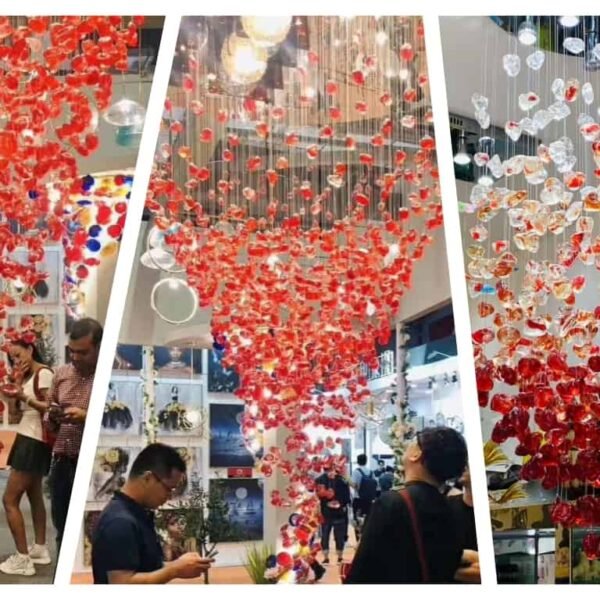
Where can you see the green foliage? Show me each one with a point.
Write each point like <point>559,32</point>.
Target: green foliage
<point>204,515</point>
<point>256,561</point>
<point>400,443</point>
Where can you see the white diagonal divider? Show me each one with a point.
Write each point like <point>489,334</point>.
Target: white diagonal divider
<point>441,120</point>
<point>118,295</point>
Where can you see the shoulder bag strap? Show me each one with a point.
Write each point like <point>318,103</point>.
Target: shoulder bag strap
<point>417,534</point>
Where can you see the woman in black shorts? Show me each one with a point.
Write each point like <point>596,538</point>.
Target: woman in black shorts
<point>29,458</point>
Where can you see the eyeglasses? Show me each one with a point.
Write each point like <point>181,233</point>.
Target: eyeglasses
<point>169,489</point>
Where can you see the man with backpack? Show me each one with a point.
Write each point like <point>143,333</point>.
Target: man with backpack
<point>365,492</point>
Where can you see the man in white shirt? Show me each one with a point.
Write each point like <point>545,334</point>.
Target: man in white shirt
<point>364,485</point>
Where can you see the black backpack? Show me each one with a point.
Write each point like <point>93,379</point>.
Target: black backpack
<point>367,490</point>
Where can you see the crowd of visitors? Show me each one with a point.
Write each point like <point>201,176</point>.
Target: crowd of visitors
<point>49,409</point>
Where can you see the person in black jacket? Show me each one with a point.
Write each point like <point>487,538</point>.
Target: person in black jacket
<point>411,536</point>
<point>334,493</point>
<point>462,507</point>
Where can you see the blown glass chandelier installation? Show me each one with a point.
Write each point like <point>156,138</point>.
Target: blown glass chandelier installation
<point>296,186</point>
<point>533,259</point>
<point>56,79</point>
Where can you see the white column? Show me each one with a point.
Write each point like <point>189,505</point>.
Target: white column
<point>401,356</point>
<point>275,517</point>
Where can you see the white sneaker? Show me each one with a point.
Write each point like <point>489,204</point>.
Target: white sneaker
<point>18,564</point>
<point>39,554</point>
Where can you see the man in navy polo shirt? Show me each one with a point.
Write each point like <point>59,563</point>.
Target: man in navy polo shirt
<point>125,545</point>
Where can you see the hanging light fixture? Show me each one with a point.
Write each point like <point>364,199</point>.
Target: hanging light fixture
<point>527,33</point>
<point>462,156</point>
<point>173,300</point>
<point>125,113</point>
<point>569,21</point>
<point>592,44</point>
<point>381,37</point>
<point>267,31</point>
<point>243,62</point>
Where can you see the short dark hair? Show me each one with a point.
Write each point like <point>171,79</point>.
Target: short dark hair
<point>361,459</point>
<point>85,327</point>
<point>159,459</point>
<point>444,452</point>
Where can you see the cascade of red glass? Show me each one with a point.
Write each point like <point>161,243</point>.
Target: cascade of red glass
<point>56,76</point>
<point>303,249</point>
<point>536,352</point>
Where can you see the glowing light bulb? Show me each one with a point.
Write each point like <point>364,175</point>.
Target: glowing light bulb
<point>569,21</point>
<point>527,33</point>
<point>267,31</point>
<point>462,156</point>
<point>243,62</point>
<point>381,38</point>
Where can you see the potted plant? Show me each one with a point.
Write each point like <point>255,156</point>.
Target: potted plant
<point>204,519</point>
<point>256,560</point>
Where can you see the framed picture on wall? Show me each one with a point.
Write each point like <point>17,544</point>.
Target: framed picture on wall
<point>49,340</point>
<point>111,468</point>
<point>48,291</point>
<point>177,362</point>
<point>245,501</point>
<point>220,378</point>
<point>179,408</point>
<point>128,359</point>
<point>123,411</point>
<point>227,447</point>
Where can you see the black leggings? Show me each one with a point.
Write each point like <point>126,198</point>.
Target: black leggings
<point>339,527</point>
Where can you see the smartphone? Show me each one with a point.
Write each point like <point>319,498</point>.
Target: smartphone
<point>55,411</point>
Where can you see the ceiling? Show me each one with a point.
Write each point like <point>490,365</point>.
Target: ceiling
<point>468,71</point>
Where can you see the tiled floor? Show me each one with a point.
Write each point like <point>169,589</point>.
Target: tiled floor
<point>44,574</point>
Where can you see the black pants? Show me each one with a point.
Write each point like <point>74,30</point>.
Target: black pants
<point>361,508</point>
<point>62,474</point>
<point>339,527</point>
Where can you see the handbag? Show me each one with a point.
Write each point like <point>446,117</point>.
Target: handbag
<point>15,414</point>
<point>417,535</point>
<point>49,431</point>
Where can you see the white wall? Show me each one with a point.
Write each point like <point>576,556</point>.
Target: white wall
<point>431,284</point>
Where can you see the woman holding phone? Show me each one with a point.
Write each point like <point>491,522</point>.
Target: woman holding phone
<point>29,457</point>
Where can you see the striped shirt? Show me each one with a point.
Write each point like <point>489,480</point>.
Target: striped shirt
<point>69,388</point>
